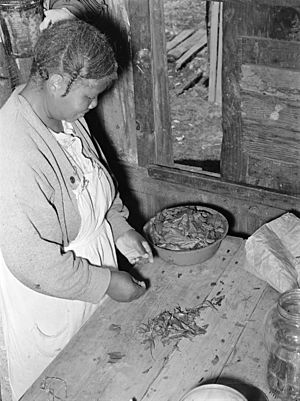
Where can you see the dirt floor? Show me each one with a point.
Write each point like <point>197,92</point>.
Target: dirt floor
<point>196,123</point>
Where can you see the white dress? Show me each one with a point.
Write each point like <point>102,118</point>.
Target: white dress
<point>36,326</point>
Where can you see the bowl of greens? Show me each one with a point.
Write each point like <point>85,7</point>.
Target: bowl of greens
<point>186,235</point>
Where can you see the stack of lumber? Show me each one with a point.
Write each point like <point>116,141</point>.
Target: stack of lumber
<point>185,46</point>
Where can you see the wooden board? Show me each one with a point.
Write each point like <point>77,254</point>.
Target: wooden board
<point>272,142</point>
<point>183,35</point>
<point>185,46</point>
<point>212,350</point>
<point>83,366</point>
<point>187,56</point>
<point>264,51</point>
<point>250,352</point>
<point>262,94</point>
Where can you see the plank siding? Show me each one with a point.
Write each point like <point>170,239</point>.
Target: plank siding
<point>276,174</point>
<point>283,3</point>
<point>280,82</point>
<point>247,207</point>
<point>271,111</point>
<point>272,143</point>
<point>276,53</point>
<point>239,19</point>
<point>261,98</point>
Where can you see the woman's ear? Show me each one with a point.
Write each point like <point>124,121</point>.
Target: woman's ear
<point>56,84</point>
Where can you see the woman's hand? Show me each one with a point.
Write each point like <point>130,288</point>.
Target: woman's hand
<point>55,15</point>
<point>134,247</point>
<point>124,288</point>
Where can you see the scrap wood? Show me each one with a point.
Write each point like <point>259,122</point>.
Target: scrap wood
<point>187,56</point>
<point>199,76</point>
<point>179,38</point>
<point>183,47</point>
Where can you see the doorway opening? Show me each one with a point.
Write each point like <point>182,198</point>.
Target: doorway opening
<point>196,110</point>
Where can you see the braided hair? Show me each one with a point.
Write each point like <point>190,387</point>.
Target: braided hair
<point>75,48</point>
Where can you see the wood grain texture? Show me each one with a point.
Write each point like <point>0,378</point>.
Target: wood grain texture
<point>186,45</point>
<point>183,35</point>
<point>202,360</point>
<point>272,143</point>
<point>271,111</point>
<point>232,162</point>
<point>284,3</point>
<point>283,83</point>
<point>163,152</point>
<point>268,52</point>
<point>250,353</point>
<point>262,172</point>
<point>139,19</point>
<point>262,88</point>
<point>83,365</point>
<point>218,186</point>
<point>245,210</point>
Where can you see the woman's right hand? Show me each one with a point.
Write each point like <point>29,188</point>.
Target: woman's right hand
<point>124,288</point>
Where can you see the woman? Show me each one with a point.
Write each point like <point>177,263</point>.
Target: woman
<point>60,213</point>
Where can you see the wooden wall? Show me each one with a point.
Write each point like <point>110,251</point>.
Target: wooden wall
<point>148,190</point>
<point>261,95</point>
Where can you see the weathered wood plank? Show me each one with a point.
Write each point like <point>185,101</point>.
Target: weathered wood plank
<point>83,366</point>
<point>213,349</point>
<point>241,20</point>
<point>271,142</point>
<point>183,47</point>
<point>219,93</point>
<point>265,51</point>
<point>213,50</point>
<point>261,172</point>
<point>270,111</point>
<point>234,24</point>
<point>161,106</point>
<point>187,56</point>
<point>245,207</point>
<point>250,353</point>
<point>216,185</point>
<point>139,19</point>
<point>283,3</point>
<point>183,35</point>
<point>280,82</point>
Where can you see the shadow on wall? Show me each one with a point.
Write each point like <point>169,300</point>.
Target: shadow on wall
<point>118,37</point>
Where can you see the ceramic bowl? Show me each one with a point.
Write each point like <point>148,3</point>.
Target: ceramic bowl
<point>190,256</point>
<point>213,392</point>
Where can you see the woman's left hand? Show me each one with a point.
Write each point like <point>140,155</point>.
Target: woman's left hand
<point>134,247</point>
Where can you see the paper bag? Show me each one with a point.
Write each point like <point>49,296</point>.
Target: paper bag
<point>273,253</point>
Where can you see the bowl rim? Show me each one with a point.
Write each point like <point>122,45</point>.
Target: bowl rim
<point>214,386</point>
<point>188,250</point>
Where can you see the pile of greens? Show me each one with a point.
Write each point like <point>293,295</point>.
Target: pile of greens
<point>186,228</point>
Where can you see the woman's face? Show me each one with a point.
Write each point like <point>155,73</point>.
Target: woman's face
<point>82,97</point>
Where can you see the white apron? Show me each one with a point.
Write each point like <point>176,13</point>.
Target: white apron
<point>36,326</point>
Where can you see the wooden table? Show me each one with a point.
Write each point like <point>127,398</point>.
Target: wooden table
<point>231,352</point>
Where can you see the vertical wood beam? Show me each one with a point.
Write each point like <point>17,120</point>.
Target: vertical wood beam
<point>162,112</point>
<point>139,18</point>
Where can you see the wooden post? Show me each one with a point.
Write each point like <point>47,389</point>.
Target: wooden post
<point>215,53</point>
